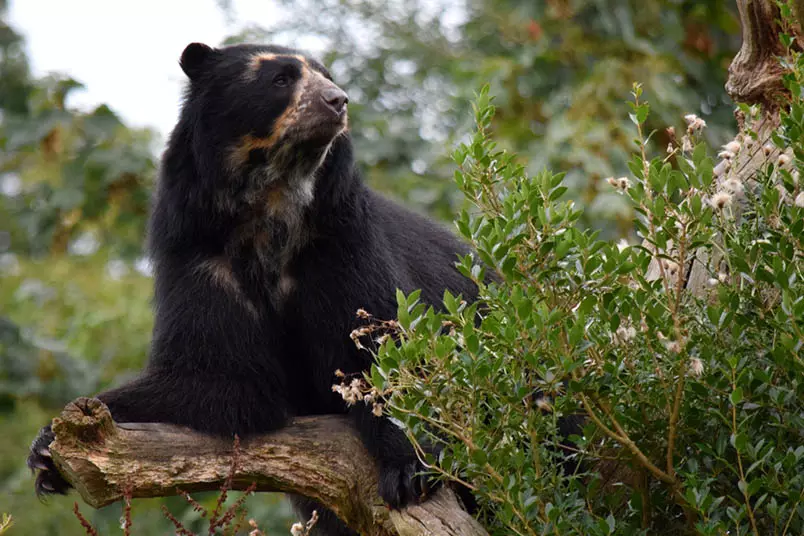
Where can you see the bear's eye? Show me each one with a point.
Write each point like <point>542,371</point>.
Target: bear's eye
<point>280,80</point>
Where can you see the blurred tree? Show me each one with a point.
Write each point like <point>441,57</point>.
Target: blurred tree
<point>560,71</point>
<point>74,185</point>
<point>75,315</point>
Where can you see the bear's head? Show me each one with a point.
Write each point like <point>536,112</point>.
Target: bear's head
<point>258,119</point>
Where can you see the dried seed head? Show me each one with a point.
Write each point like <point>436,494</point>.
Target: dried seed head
<point>670,267</point>
<point>674,346</point>
<point>543,404</point>
<point>696,367</point>
<point>623,335</point>
<point>720,200</point>
<point>734,187</point>
<point>694,123</point>
<point>382,339</point>
<point>622,184</point>
<point>686,144</point>
<point>783,196</point>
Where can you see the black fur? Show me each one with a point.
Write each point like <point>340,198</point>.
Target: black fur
<point>243,354</point>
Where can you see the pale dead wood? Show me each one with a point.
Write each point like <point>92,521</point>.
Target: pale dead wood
<point>318,457</point>
<point>755,77</point>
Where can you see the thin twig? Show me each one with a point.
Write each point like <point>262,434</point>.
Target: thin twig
<point>90,530</point>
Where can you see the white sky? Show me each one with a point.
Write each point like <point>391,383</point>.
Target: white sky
<point>126,53</point>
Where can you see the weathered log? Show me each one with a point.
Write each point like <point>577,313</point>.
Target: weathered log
<point>318,457</point>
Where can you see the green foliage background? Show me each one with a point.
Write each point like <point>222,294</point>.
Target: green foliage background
<point>75,316</point>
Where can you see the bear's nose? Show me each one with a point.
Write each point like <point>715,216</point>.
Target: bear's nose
<point>336,99</point>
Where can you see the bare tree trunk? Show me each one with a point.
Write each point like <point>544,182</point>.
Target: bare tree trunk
<point>318,457</point>
<point>755,77</point>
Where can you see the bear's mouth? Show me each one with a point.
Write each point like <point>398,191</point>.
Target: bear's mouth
<point>321,131</point>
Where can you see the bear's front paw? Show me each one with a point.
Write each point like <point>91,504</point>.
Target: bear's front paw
<point>404,482</point>
<point>48,478</point>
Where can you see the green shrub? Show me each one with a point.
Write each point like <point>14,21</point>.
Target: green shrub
<point>693,397</point>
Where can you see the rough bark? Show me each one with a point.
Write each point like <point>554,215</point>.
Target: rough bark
<point>755,73</point>
<point>319,457</point>
<point>755,77</point>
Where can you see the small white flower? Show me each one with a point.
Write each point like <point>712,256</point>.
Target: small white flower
<point>670,149</point>
<point>783,159</point>
<point>800,200</point>
<point>297,529</point>
<point>726,155</point>
<point>712,282</point>
<point>732,147</point>
<point>767,149</point>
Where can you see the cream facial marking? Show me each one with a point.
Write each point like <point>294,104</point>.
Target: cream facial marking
<point>257,59</point>
<point>304,92</point>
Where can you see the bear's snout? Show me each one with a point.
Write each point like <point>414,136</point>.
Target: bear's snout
<point>335,99</point>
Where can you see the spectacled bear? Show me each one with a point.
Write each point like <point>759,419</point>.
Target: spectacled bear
<point>265,242</point>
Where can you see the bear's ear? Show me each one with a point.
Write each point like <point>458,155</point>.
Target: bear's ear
<point>194,60</point>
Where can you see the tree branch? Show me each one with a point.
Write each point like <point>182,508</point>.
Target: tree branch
<point>755,73</point>
<point>318,457</point>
